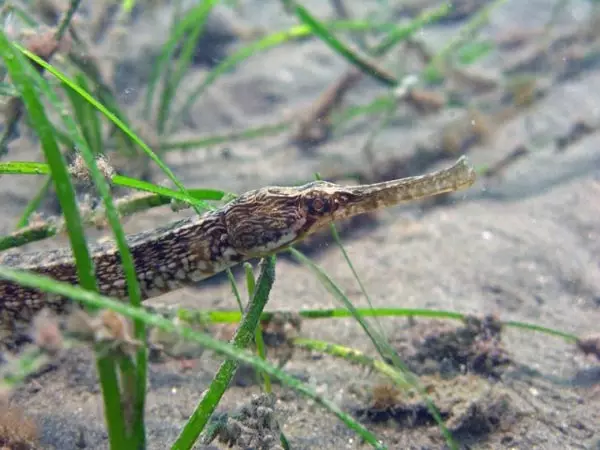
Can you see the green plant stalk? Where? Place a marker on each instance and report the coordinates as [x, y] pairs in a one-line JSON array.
[[180, 24], [339, 313], [34, 204], [110, 116], [383, 347], [27, 235], [128, 6], [400, 34], [235, 291], [209, 141], [336, 45], [30, 361], [396, 35], [384, 350], [243, 337], [266, 43], [376, 106], [88, 66], [354, 356], [136, 435], [258, 339], [568, 337], [18, 68], [96, 301], [470, 52], [466, 32], [134, 389], [338, 241], [62, 28], [92, 121], [125, 206], [134, 409], [79, 107], [200, 14], [192, 197], [261, 350], [284, 442], [238, 297]]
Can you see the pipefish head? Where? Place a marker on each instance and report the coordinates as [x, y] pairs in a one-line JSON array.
[[270, 219]]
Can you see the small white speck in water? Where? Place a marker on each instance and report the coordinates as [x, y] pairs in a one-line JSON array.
[[173, 391], [534, 392], [285, 76]]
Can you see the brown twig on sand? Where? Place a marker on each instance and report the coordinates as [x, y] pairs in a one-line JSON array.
[[590, 345], [314, 125], [578, 131], [16, 430], [498, 167], [425, 101]]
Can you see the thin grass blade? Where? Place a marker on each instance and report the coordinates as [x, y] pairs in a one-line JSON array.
[[97, 301], [258, 338], [343, 50], [161, 65], [23, 73], [193, 197], [243, 337], [400, 34], [199, 16], [383, 347], [109, 115], [136, 436], [266, 43]]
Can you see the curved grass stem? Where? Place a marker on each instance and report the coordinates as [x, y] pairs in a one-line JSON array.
[[243, 337]]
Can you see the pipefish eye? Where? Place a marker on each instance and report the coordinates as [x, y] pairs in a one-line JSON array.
[[317, 205]]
